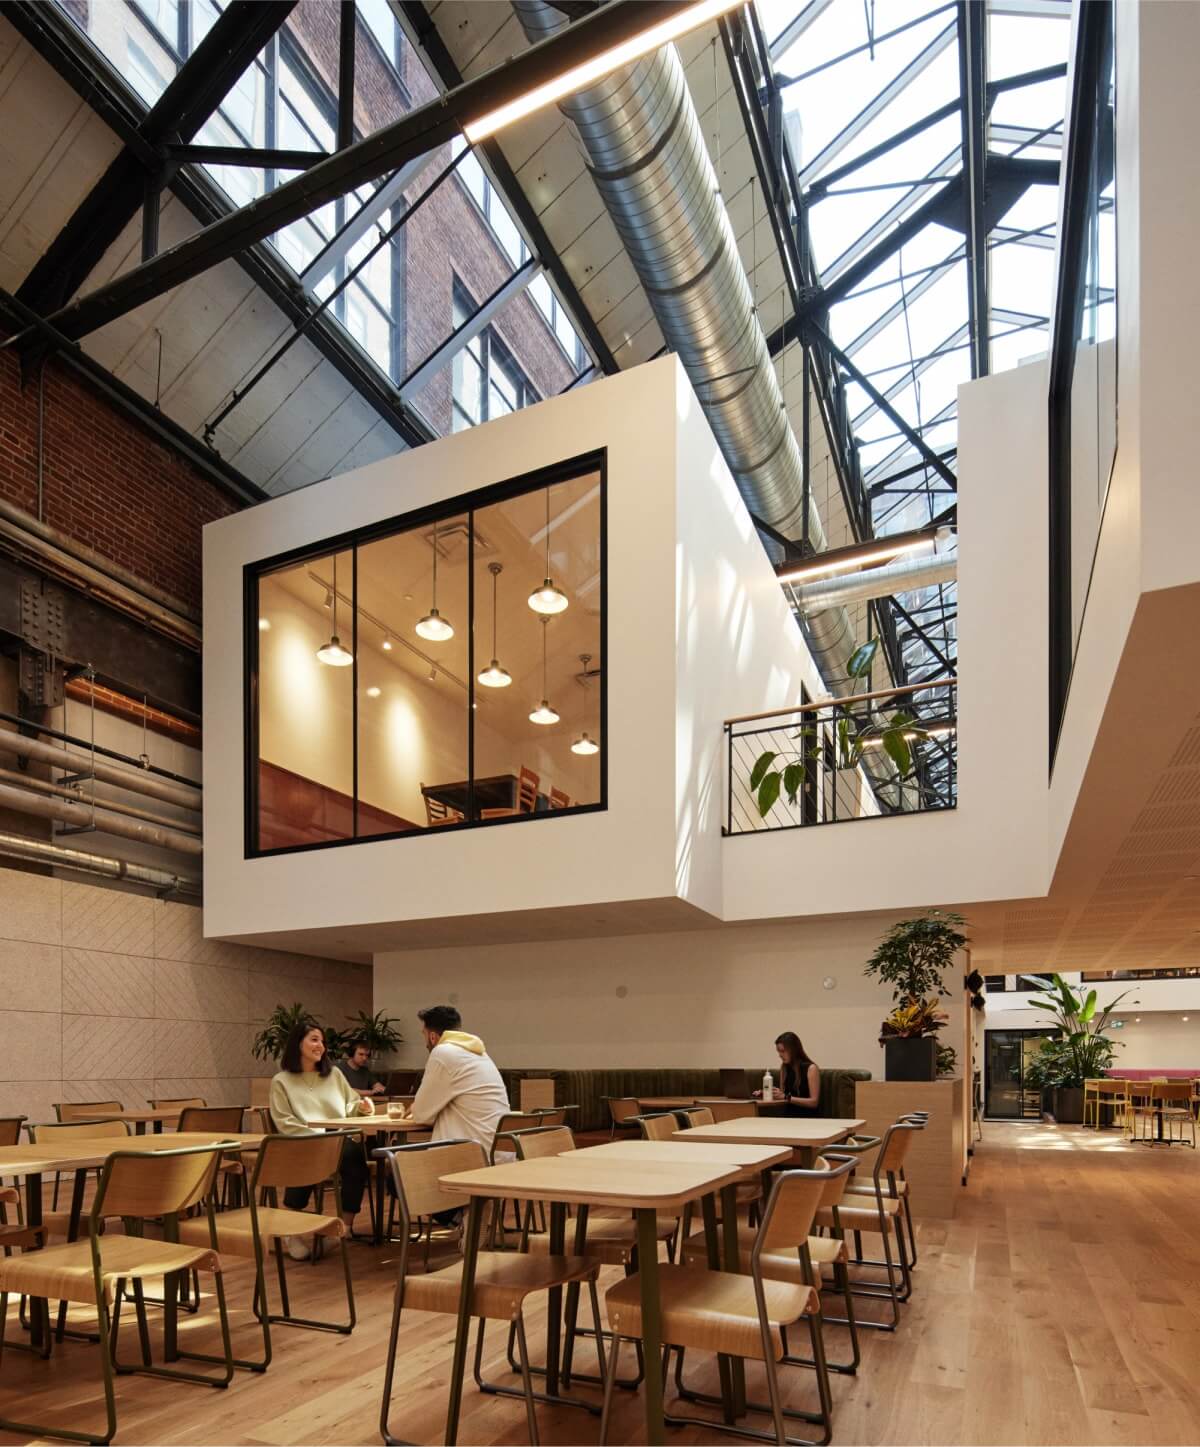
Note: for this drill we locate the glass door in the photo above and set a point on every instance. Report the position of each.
(1007, 1054)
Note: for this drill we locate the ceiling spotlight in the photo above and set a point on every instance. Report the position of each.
(387, 644)
(264, 625)
(433, 627)
(374, 691)
(548, 599)
(332, 652)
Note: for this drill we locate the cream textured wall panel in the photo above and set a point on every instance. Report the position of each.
(108, 995)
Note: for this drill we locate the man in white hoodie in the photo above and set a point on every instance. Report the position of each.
(461, 1094)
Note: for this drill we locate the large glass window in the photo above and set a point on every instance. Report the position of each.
(486, 379)
(443, 672)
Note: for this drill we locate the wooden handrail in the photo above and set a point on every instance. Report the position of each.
(879, 693)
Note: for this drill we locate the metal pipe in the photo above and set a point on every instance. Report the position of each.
(88, 816)
(62, 791)
(15, 743)
(93, 747)
(646, 153)
(899, 577)
(15, 846)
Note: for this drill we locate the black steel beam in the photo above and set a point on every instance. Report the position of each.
(14, 315)
(448, 73)
(345, 117)
(201, 83)
(972, 70)
(385, 150)
(278, 160)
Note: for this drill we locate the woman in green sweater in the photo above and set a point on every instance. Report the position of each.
(308, 1088)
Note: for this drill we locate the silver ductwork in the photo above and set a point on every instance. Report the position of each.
(35, 851)
(900, 577)
(645, 151)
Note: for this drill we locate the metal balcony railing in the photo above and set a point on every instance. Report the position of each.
(894, 751)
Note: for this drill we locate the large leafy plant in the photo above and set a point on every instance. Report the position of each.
(1083, 1052)
(269, 1042)
(913, 1020)
(915, 954)
(378, 1032)
(783, 771)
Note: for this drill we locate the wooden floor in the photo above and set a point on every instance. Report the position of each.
(1061, 1306)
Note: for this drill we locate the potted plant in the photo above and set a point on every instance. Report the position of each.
(1082, 1051)
(377, 1032)
(269, 1042)
(913, 958)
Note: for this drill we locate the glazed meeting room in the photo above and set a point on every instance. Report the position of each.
(499, 943)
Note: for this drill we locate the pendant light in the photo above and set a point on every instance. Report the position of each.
(493, 676)
(544, 714)
(584, 744)
(332, 652)
(548, 599)
(433, 627)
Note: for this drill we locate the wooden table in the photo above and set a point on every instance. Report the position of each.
(687, 1102)
(378, 1124)
(139, 1119)
(80, 1156)
(497, 792)
(806, 1135)
(586, 1178)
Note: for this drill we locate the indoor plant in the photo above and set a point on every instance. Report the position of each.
(269, 1042)
(913, 958)
(377, 1032)
(1081, 1052)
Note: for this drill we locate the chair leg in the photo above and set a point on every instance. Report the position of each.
(912, 1235)
(147, 1369)
(286, 1318)
(526, 1379)
(389, 1371)
(609, 1382)
(841, 1280)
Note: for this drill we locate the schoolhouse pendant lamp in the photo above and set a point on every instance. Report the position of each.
(493, 676)
(433, 627)
(544, 714)
(332, 652)
(585, 744)
(548, 599)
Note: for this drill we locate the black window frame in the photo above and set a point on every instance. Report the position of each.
(492, 347)
(469, 503)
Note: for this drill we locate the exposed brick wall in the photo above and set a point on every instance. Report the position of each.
(446, 237)
(107, 482)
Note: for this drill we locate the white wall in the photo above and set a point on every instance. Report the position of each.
(714, 997)
(993, 846)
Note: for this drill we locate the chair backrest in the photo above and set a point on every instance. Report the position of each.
(527, 790)
(416, 1171)
(622, 1108)
(788, 1214)
(298, 1160)
(894, 1147)
(211, 1117)
(559, 800)
(10, 1129)
(723, 1110)
(543, 1140)
(79, 1130)
(695, 1115)
(658, 1127)
(437, 811)
(73, 1109)
(155, 1183)
(557, 1116)
(181, 1103)
(835, 1186)
(258, 1118)
(1169, 1090)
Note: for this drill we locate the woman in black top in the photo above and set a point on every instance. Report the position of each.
(799, 1089)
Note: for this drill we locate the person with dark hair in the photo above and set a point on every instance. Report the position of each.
(461, 1094)
(308, 1088)
(799, 1088)
(354, 1068)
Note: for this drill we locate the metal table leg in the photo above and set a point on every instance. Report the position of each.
(557, 1247)
(647, 1223)
(729, 1219)
(462, 1334)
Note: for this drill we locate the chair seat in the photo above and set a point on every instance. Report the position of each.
(58, 1223)
(26, 1237)
(235, 1233)
(777, 1265)
(611, 1242)
(867, 1188)
(64, 1273)
(857, 1218)
(503, 1279)
(713, 1311)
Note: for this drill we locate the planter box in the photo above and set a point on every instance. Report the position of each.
(1068, 1105)
(911, 1059)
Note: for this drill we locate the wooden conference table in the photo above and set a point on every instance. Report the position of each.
(80, 1156)
(647, 1177)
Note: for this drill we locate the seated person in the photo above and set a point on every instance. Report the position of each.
(309, 1088)
(461, 1094)
(799, 1088)
(354, 1068)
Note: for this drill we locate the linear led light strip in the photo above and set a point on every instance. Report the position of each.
(588, 72)
(850, 561)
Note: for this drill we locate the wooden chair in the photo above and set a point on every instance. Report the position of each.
(71, 1110)
(610, 1241)
(1167, 1105)
(438, 813)
(743, 1316)
(96, 1270)
(559, 800)
(723, 1110)
(693, 1115)
(623, 1110)
(178, 1103)
(749, 1193)
(897, 1182)
(503, 1279)
(10, 1129)
(58, 1223)
(658, 1127)
(1091, 1101)
(284, 1161)
(527, 794)
(223, 1119)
